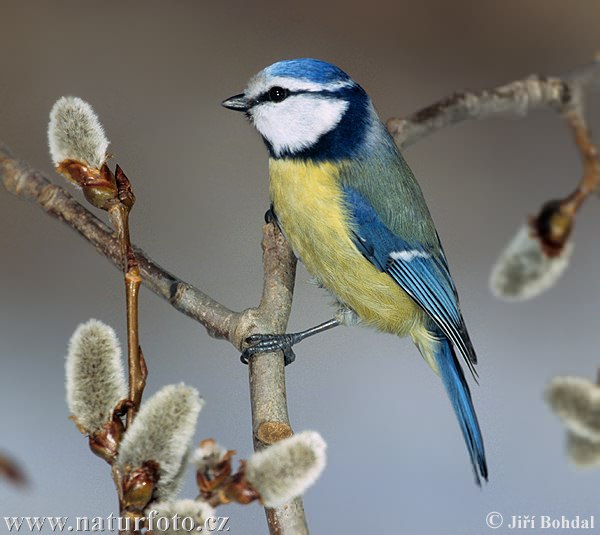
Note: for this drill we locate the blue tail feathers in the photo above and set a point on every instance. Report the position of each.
(458, 391)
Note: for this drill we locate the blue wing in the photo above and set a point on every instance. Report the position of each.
(421, 271)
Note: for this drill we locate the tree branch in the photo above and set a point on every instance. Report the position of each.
(517, 98)
(24, 182)
(267, 377)
(270, 421)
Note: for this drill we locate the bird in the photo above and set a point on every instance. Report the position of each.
(352, 211)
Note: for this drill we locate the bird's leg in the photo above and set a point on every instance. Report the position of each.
(267, 343)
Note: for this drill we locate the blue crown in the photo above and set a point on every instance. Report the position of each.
(312, 70)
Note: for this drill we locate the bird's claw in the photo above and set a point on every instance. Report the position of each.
(270, 216)
(269, 343)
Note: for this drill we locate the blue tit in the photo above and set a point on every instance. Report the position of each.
(353, 213)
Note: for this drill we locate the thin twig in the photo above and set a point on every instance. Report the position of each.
(590, 180)
(518, 98)
(119, 216)
(555, 221)
(31, 185)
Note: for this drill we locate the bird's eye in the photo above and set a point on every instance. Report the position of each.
(277, 94)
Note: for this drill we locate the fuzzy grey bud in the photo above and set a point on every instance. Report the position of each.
(75, 133)
(95, 379)
(287, 468)
(179, 517)
(577, 402)
(162, 432)
(524, 270)
(583, 452)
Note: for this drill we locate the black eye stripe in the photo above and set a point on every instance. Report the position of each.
(265, 97)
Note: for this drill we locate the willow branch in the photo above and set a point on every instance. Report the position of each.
(270, 421)
(118, 213)
(267, 379)
(518, 98)
(564, 95)
(31, 185)
(590, 180)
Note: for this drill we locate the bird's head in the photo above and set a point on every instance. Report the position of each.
(306, 108)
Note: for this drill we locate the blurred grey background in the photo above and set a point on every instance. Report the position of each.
(156, 73)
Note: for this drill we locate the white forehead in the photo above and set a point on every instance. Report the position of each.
(262, 82)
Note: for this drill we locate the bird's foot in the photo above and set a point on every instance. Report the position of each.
(269, 343)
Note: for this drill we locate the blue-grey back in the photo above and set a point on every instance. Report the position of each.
(380, 173)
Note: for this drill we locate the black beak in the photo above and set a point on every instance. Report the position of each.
(237, 103)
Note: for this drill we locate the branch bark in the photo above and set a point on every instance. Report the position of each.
(31, 185)
(266, 372)
(517, 98)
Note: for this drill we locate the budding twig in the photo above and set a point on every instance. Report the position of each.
(119, 216)
(554, 223)
(518, 98)
(153, 453)
(274, 475)
(590, 180)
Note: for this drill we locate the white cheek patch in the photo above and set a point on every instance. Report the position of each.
(298, 122)
(407, 256)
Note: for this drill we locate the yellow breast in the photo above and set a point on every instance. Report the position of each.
(309, 206)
